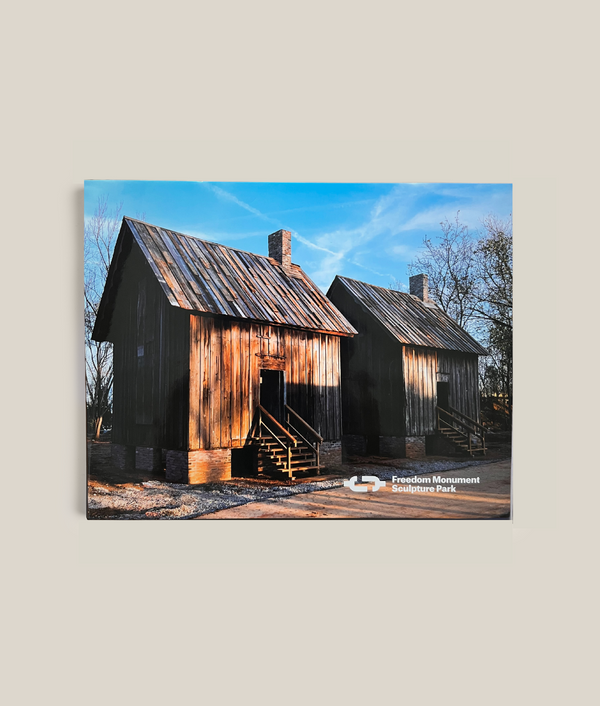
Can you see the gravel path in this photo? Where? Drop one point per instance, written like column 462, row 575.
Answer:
column 156, row 500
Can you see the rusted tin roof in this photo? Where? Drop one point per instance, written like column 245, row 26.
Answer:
column 206, row 277
column 409, row 319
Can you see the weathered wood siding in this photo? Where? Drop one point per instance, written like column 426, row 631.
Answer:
column 372, row 389
column 463, row 372
column 421, row 366
column 188, row 381
column 226, row 357
column 151, row 353
column 420, row 385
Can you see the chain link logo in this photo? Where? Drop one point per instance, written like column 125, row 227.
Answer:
column 364, row 488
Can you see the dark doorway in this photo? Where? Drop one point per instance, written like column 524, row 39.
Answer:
column 272, row 392
column 443, row 395
column 244, row 462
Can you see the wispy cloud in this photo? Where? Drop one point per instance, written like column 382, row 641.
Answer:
column 310, row 244
column 328, row 206
column 227, row 196
column 394, row 221
column 405, row 251
column 470, row 215
column 397, row 218
column 387, row 213
column 370, row 269
column 328, row 267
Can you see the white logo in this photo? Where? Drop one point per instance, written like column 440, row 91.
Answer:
column 365, row 479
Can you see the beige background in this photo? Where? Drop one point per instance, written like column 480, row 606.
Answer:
column 296, row 612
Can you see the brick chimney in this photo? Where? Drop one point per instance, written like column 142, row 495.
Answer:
column 419, row 287
column 280, row 247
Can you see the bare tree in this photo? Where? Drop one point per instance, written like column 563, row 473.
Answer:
column 470, row 278
column 494, row 263
column 450, row 266
column 100, row 235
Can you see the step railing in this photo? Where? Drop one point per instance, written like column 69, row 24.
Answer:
column 285, row 438
column 266, row 422
column 462, row 424
column 293, row 420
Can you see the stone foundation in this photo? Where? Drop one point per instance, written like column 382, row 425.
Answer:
column 123, row 457
column 353, row 445
column 199, row 466
column 389, row 446
column 438, row 445
column 330, row 453
column 392, row 446
column 415, row 447
column 148, row 459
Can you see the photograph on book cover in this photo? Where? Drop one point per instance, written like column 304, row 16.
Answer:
column 298, row 350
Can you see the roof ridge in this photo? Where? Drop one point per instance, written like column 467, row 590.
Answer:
column 202, row 240
column 378, row 286
column 411, row 320
column 208, row 277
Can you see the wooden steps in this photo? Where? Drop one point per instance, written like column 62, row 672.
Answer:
column 290, row 449
column 273, row 458
column 461, row 441
column 464, row 433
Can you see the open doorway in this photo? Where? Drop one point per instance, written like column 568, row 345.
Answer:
column 244, row 462
column 272, row 392
column 443, row 395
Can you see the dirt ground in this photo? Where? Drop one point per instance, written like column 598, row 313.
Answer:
column 487, row 499
column 115, row 494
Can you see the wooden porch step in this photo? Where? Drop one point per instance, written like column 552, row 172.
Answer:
column 461, row 434
column 295, row 461
column 277, row 448
column 294, row 457
column 276, row 454
column 308, row 471
column 277, row 451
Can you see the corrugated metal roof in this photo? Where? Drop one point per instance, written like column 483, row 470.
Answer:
column 210, row 278
column 409, row 319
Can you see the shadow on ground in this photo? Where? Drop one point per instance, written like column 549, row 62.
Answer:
column 122, row 495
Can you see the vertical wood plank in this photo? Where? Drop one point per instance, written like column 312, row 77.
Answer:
column 215, row 382
column 294, row 376
column 302, row 401
column 316, row 339
column 254, row 367
column 194, row 387
column 330, row 391
column 336, row 362
column 236, row 373
column 207, row 325
column 161, row 372
column 409, row 389
column 225, row 422
column 289, row 347
column 245, row 401
column 309, row 378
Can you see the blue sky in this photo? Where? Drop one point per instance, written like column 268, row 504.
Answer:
column 366, row 231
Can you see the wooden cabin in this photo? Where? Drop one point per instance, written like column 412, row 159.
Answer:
column 223, row 360
column 410, row 376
